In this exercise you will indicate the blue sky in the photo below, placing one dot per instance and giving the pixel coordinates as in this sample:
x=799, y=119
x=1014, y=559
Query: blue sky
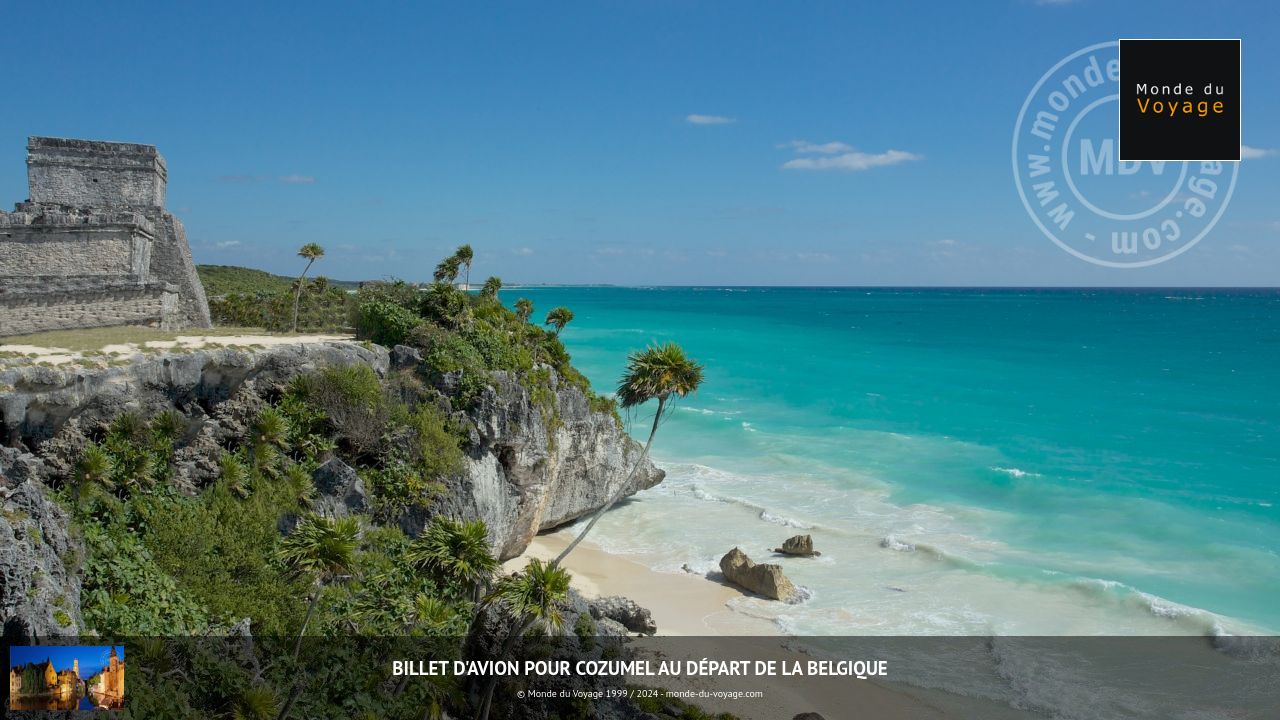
x=556, y=137
x=92, y=657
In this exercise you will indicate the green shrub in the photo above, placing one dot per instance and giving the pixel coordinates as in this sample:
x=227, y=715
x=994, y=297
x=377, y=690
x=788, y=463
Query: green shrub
x=446, y=305
x=455, y=354
x=385, y=323
x=398, y=487
x=320, y=308
x=126, y=593
x=585, y=628
x=220, y=548
x=435, y=442
x=396, y=292
x=352, y=401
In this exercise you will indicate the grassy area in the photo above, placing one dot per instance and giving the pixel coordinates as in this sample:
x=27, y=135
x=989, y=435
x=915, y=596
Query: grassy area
x=89, y=339
x=222, y=280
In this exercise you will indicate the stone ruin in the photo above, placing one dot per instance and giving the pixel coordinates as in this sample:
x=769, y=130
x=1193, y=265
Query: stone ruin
x=94, y=246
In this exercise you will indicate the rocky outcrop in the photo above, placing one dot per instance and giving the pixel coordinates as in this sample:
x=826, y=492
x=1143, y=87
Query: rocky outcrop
x=36, y=402
x=760, y=578
x=535, y=464
x=39, y=557
x=798, y=545
x=624, y=611
x=404, y=356
x=532, y=463
x=339, y=490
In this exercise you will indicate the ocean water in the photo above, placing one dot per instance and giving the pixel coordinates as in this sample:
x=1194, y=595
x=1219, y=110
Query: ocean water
x=1020, y=462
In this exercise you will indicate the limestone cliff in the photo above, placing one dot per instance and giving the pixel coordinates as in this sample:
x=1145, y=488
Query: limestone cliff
x=537, y=465
x=534, y=460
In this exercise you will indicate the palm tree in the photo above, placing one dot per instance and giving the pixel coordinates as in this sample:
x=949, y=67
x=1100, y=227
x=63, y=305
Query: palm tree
x=322, y=548
x=491, y=288
x=448, y=269
x=325, y=549
x=311, y=252
x=258, y=702
x=558, y=318
x=532, y=595
x=456, y=551
x=659, y=372
x=524, y=308
x=464, y=256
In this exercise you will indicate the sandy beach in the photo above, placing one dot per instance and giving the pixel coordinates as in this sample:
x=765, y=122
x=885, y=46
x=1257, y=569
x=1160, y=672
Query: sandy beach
x=685, y=604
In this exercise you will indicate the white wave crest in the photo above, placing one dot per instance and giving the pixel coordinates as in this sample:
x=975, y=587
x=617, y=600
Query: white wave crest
x=890, y=542
x=1015, y=472
x=767, y=516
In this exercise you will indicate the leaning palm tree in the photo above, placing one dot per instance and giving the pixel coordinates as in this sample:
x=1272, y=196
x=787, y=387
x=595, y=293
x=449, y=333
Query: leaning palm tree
x=524, y=308
x=659, y=372
x=311, y=252
x=456, y=552
x=531, y=596
x=491, y=288
x=448, y=269
x=558, y=318
x=465, y=256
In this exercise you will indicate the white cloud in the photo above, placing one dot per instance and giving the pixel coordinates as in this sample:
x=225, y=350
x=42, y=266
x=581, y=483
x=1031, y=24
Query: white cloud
x=805, y=147
x=709, y=119
x=226, y=244
x=1253, y=153
x=524, y=251
x=297, y=179
x=852, y=161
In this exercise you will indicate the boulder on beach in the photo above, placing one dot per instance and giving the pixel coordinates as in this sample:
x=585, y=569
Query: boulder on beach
x=624, y=611
x=801, y=545
x=808, y=716
x=760, y=578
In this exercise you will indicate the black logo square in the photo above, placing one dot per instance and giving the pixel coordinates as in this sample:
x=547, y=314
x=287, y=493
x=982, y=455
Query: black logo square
x=1179, y=100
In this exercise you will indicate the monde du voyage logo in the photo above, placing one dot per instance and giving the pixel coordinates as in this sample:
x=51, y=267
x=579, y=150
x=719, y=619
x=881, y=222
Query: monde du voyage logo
x=1128, y=164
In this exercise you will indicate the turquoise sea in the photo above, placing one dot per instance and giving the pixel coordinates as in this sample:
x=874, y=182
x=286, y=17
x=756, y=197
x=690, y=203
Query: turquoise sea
x=968, y=461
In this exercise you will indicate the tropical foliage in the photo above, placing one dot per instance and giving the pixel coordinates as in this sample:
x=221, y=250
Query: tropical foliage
x=171, y=554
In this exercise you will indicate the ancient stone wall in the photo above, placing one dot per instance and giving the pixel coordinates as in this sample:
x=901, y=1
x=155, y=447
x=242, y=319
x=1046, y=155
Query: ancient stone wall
x=151, y=305
x=87, y=173
x=94, y=246
x=116, y=247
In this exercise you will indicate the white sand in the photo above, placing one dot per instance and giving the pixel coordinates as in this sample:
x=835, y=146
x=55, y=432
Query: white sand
x=684, y=604
x=63, y=356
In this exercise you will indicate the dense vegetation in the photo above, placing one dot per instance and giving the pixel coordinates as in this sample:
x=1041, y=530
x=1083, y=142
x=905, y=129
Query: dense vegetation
x=220, y=280
x=164, y=560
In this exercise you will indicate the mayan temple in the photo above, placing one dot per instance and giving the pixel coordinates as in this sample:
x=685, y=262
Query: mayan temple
x=93, y=245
